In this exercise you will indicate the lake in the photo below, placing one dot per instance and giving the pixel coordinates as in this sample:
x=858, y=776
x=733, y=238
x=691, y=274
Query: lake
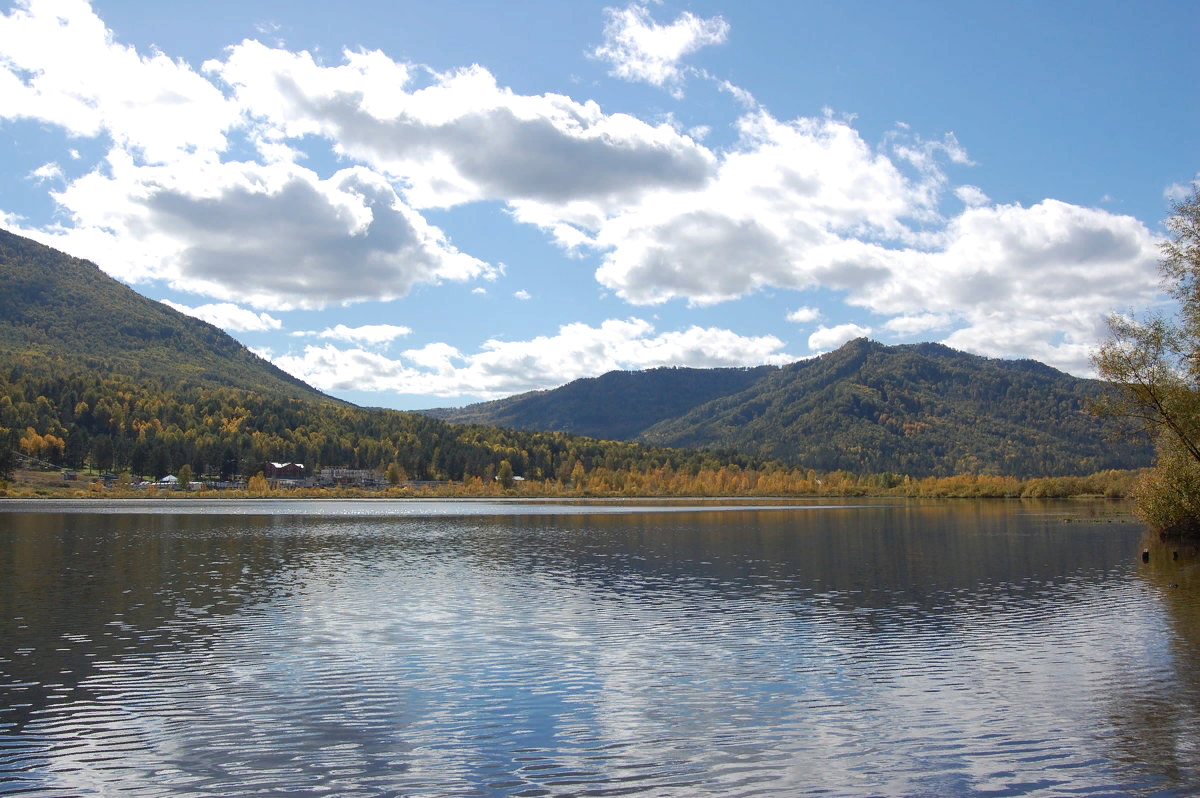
x=440, y=648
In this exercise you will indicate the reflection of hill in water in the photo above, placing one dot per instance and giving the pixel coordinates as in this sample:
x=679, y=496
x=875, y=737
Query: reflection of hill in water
x=922, y=548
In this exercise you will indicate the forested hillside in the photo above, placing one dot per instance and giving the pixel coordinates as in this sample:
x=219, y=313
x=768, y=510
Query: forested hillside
x=619, y=405
x=65, y=308
x=153, y=428
x=922, y=409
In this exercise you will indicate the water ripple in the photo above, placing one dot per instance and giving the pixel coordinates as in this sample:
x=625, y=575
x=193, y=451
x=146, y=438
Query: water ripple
x=732, y=653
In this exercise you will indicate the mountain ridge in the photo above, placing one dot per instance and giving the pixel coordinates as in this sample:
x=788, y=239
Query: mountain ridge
x=920, y=409
x=569, y=408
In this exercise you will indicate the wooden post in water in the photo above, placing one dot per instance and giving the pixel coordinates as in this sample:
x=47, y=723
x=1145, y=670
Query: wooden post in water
x=1145, y=555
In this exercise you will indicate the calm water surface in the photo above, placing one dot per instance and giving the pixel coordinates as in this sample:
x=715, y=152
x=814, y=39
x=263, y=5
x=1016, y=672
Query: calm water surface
x=450, y=648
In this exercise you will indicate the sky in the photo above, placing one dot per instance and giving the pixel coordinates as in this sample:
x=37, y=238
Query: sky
x=415, y=205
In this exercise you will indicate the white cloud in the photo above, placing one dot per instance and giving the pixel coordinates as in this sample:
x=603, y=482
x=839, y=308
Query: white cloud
x=502, y=368
x=47, y=171
x=1179, y=191
x=1034, y=282
x=826, y=338
x=791, y=205
x=522, y=295
x=368, y=334
x=804, y=315
x=462, y=138
x=273, y=236
x=789, y=208
x=919, y=323
x=924, y=153
x=743, y=97
x=59, y=64
x=228, y=316
x=972, y=196
x=479, y=290
x=640, y=49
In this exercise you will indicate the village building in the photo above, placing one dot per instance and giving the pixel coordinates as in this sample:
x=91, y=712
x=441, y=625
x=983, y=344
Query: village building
x=351, y=478
x=284, y=471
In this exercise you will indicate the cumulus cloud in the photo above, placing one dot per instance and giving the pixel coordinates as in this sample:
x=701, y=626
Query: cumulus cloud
x=804, y=315
x=826, y=338
x=274, y=236
x=971, y=196
x=59, y=64
x=463, y=137
x=367, y=334
x=502, y=368
x=522, y=295
x=228, y=316
x=919, y=323
x=788, y=208
x=640, y=49
x=792, y=204
x=1034, y=281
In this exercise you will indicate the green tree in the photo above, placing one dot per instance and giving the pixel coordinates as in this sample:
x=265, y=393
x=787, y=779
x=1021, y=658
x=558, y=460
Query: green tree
x=8, y=452
x=1154, y=365
x=395, y=474
x=505, y=474
x=102, y=452
x=185, y=476
x=229, y=465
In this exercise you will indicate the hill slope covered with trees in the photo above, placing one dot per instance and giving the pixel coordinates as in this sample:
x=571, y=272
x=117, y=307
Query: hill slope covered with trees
x=66, y=309
x=922, y=409
x=618, y=405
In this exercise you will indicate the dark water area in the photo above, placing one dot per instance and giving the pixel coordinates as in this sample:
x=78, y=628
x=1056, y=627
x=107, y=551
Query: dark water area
x=502, y=649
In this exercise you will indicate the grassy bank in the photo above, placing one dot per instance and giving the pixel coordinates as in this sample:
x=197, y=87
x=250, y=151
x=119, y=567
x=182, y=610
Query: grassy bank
x=603, y=483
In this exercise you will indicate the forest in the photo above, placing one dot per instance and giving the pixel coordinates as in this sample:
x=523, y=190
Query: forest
x=150, y=427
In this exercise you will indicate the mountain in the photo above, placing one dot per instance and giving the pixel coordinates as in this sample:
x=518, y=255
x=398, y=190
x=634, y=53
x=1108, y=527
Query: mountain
x=59, y=307
x=619, y=405
x=922, y=409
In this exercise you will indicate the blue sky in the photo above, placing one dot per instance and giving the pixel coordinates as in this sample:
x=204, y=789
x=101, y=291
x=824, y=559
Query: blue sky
x=413, y=205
